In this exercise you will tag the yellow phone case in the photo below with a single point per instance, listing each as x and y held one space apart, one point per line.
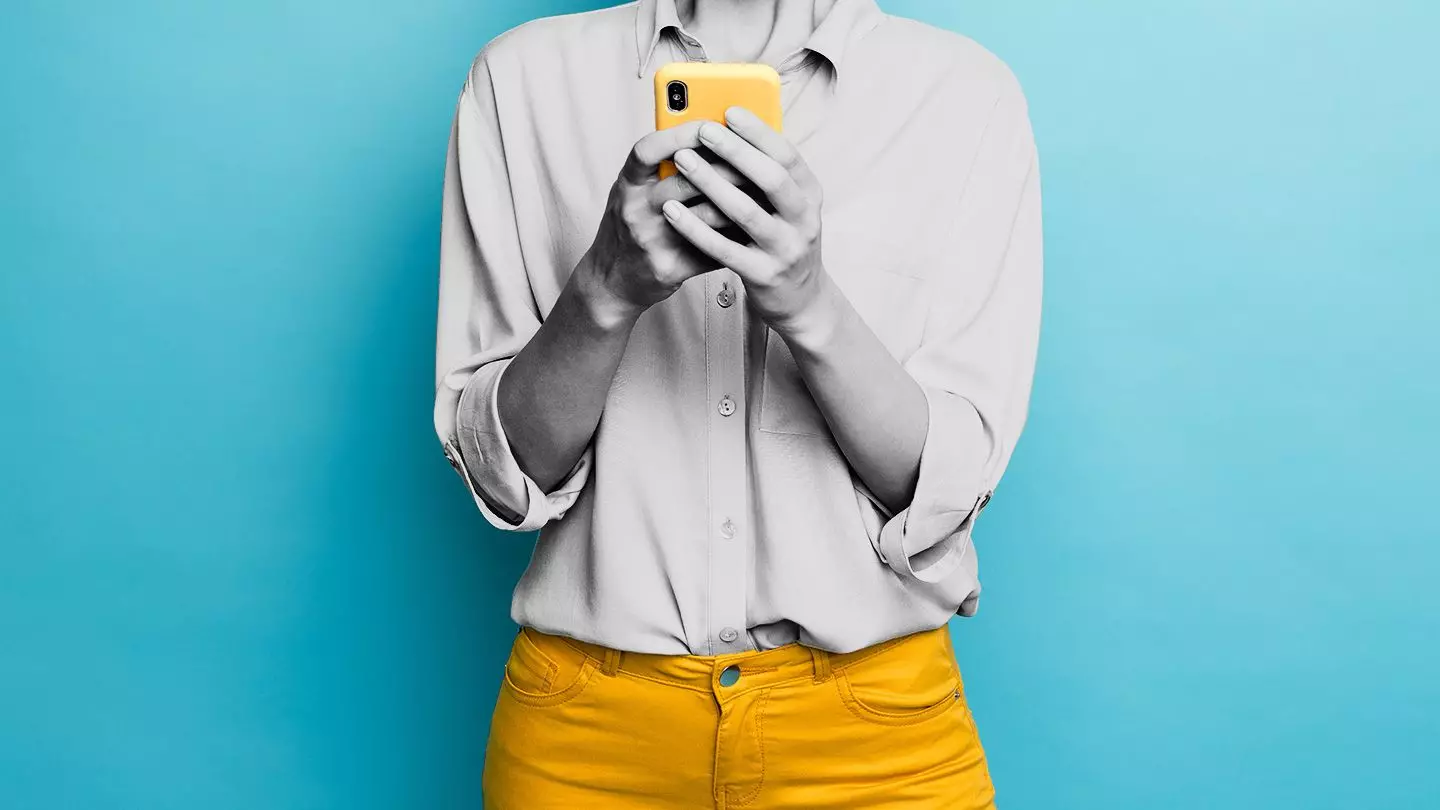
713 86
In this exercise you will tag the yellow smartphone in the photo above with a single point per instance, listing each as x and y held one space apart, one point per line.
686 91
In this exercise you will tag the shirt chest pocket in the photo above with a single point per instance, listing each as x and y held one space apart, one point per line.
892 303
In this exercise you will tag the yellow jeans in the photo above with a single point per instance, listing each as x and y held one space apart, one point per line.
579 726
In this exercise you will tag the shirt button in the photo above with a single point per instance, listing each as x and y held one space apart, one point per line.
728 528
726 406
729 634
726 296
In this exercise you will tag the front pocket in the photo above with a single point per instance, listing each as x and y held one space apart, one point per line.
899 709
529 667
537 678
910 683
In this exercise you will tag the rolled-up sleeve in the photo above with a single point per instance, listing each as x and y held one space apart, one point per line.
486 316
976 359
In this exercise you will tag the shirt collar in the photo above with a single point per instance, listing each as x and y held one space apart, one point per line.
845 23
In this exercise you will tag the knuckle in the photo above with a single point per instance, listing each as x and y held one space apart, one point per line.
774 179
639 153
765 276
630 217
668 273
643 236
810 224
791 252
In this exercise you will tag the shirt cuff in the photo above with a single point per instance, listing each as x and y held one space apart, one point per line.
508 498
927 539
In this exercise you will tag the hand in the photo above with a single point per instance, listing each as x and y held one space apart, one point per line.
782 270
636 259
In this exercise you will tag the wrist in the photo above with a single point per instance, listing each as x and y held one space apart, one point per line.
811 328
602 307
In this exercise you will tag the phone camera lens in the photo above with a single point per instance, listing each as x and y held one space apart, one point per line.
676 92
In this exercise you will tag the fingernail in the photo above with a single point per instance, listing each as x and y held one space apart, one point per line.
685 159
708 132
671 208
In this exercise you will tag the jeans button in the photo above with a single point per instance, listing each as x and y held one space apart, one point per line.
729 675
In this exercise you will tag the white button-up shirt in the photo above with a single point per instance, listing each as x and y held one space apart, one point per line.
713 511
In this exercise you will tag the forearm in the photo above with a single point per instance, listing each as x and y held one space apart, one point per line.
876 411
553 392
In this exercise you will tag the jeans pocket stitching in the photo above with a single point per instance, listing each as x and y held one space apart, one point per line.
527 647
570 692
858 707
750 795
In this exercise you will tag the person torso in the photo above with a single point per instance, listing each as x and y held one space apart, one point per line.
721 514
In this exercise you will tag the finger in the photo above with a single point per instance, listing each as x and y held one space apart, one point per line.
643 162
697 198
729 253
752 128
740 207
679 187
695 254
761 169
710 215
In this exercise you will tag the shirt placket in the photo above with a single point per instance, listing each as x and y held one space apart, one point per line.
725 629
726 325
726 456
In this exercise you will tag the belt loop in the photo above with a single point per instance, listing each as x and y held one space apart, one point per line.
821 659
611 664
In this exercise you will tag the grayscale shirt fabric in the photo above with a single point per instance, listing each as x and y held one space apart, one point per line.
713 512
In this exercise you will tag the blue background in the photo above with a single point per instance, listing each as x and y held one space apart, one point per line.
236 571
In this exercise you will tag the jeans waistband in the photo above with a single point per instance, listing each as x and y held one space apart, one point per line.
756 668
